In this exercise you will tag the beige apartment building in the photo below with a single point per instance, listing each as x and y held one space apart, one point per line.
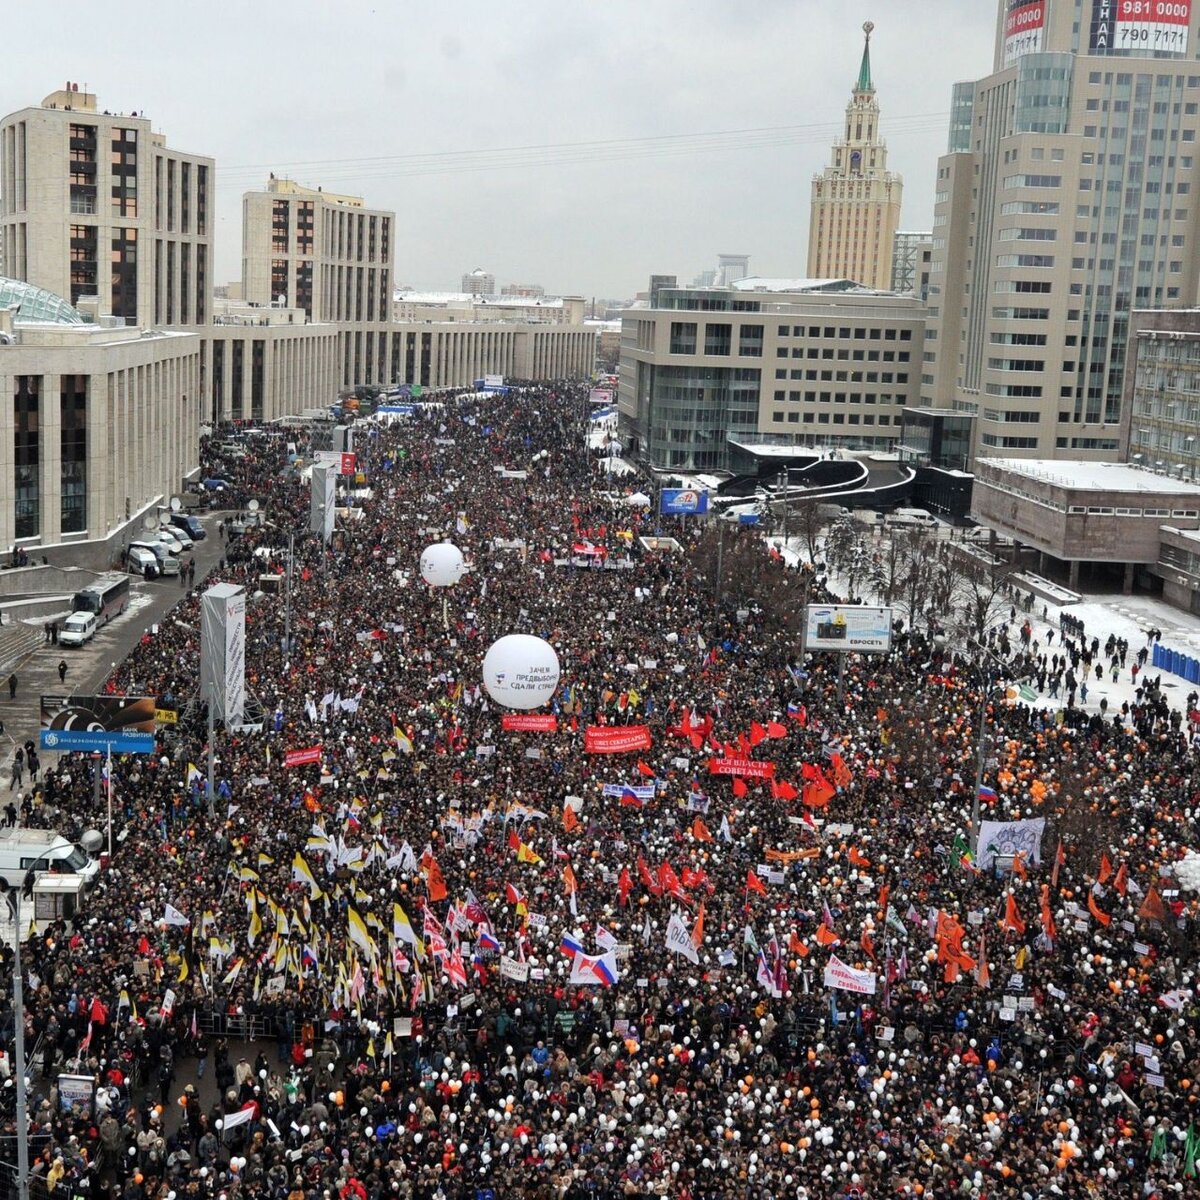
96 203
102 426
329 255
1066 200
466 306
815 363
856 200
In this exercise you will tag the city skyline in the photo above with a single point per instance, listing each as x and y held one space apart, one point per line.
459 89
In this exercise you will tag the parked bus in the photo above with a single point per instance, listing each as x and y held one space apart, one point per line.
106 598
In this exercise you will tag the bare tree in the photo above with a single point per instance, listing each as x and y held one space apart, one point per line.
982 586
808 523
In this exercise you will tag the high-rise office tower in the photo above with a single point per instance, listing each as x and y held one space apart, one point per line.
1065 201
856 199
96 204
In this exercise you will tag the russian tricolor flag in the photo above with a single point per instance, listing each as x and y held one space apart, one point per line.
630 798
487 940
605 969
570 946
986 793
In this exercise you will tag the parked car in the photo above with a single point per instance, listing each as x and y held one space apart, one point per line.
78 628
142 561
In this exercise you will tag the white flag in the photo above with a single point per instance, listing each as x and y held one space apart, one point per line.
173 916
679 938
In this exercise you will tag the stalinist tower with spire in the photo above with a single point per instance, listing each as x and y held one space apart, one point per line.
856 199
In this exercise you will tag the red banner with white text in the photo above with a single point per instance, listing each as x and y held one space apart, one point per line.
616 739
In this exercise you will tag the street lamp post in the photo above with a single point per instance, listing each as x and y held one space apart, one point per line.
983 741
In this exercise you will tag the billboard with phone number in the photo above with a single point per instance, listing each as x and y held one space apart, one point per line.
1024 28
1140 26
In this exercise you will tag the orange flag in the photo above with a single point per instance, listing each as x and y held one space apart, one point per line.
857 859
826 937
796 946
1048 926
1018 867
1121 882
700 831
1012 919
569 883
1059 859
1105 870
435 881
1097 911
570 820
1152 908
882 902
698 928
754 884
868 945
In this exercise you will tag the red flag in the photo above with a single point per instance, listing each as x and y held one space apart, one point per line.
739 787
867 945
435 881
1012 919
648 881
783 790
1097 911
514 842
624 886
775 730
1152 908
754 884
982 974
1121 882
1105 872
796 946
645 769
700 831
857 859
757 733
570 820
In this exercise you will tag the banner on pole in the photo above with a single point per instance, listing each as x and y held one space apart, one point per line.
748 767
616 739
297 758
529 722
1010 838
843 976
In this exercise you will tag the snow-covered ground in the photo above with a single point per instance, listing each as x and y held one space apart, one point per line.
1128 617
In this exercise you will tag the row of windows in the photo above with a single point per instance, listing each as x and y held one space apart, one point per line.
1009 443
823 418
838 398
845 376
858 333
828 353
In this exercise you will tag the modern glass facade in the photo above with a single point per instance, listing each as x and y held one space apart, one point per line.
73 452
27 455
693 409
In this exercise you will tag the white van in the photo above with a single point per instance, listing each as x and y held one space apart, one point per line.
23 850
78 628
168 564
142 561
911 518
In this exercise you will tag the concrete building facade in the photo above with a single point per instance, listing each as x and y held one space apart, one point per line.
806 362
97 203
455 354
1160 426
1067 198
1083 512
478 283
911 251
330 256
102 425
856 200
411 306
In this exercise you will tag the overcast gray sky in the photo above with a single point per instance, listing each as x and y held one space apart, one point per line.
407 103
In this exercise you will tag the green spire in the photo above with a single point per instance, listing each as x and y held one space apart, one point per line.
864 71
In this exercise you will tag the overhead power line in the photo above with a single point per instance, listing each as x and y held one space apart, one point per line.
561 154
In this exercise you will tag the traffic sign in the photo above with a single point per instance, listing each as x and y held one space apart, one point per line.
106 742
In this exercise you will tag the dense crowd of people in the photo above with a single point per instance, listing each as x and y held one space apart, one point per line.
757 955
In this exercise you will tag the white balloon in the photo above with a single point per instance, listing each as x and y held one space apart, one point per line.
442 564
520 671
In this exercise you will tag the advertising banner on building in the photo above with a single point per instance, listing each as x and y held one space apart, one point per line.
223 651
849 628
104 724
324 500
677 502
616 739
1141 26
1024 28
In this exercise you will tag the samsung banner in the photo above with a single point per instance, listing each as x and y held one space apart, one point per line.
849 627
678 502
223 651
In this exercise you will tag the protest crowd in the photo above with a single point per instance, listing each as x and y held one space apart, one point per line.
710 931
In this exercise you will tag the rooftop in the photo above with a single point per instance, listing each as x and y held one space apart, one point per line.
404 297
764 283
1079 475
37 304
